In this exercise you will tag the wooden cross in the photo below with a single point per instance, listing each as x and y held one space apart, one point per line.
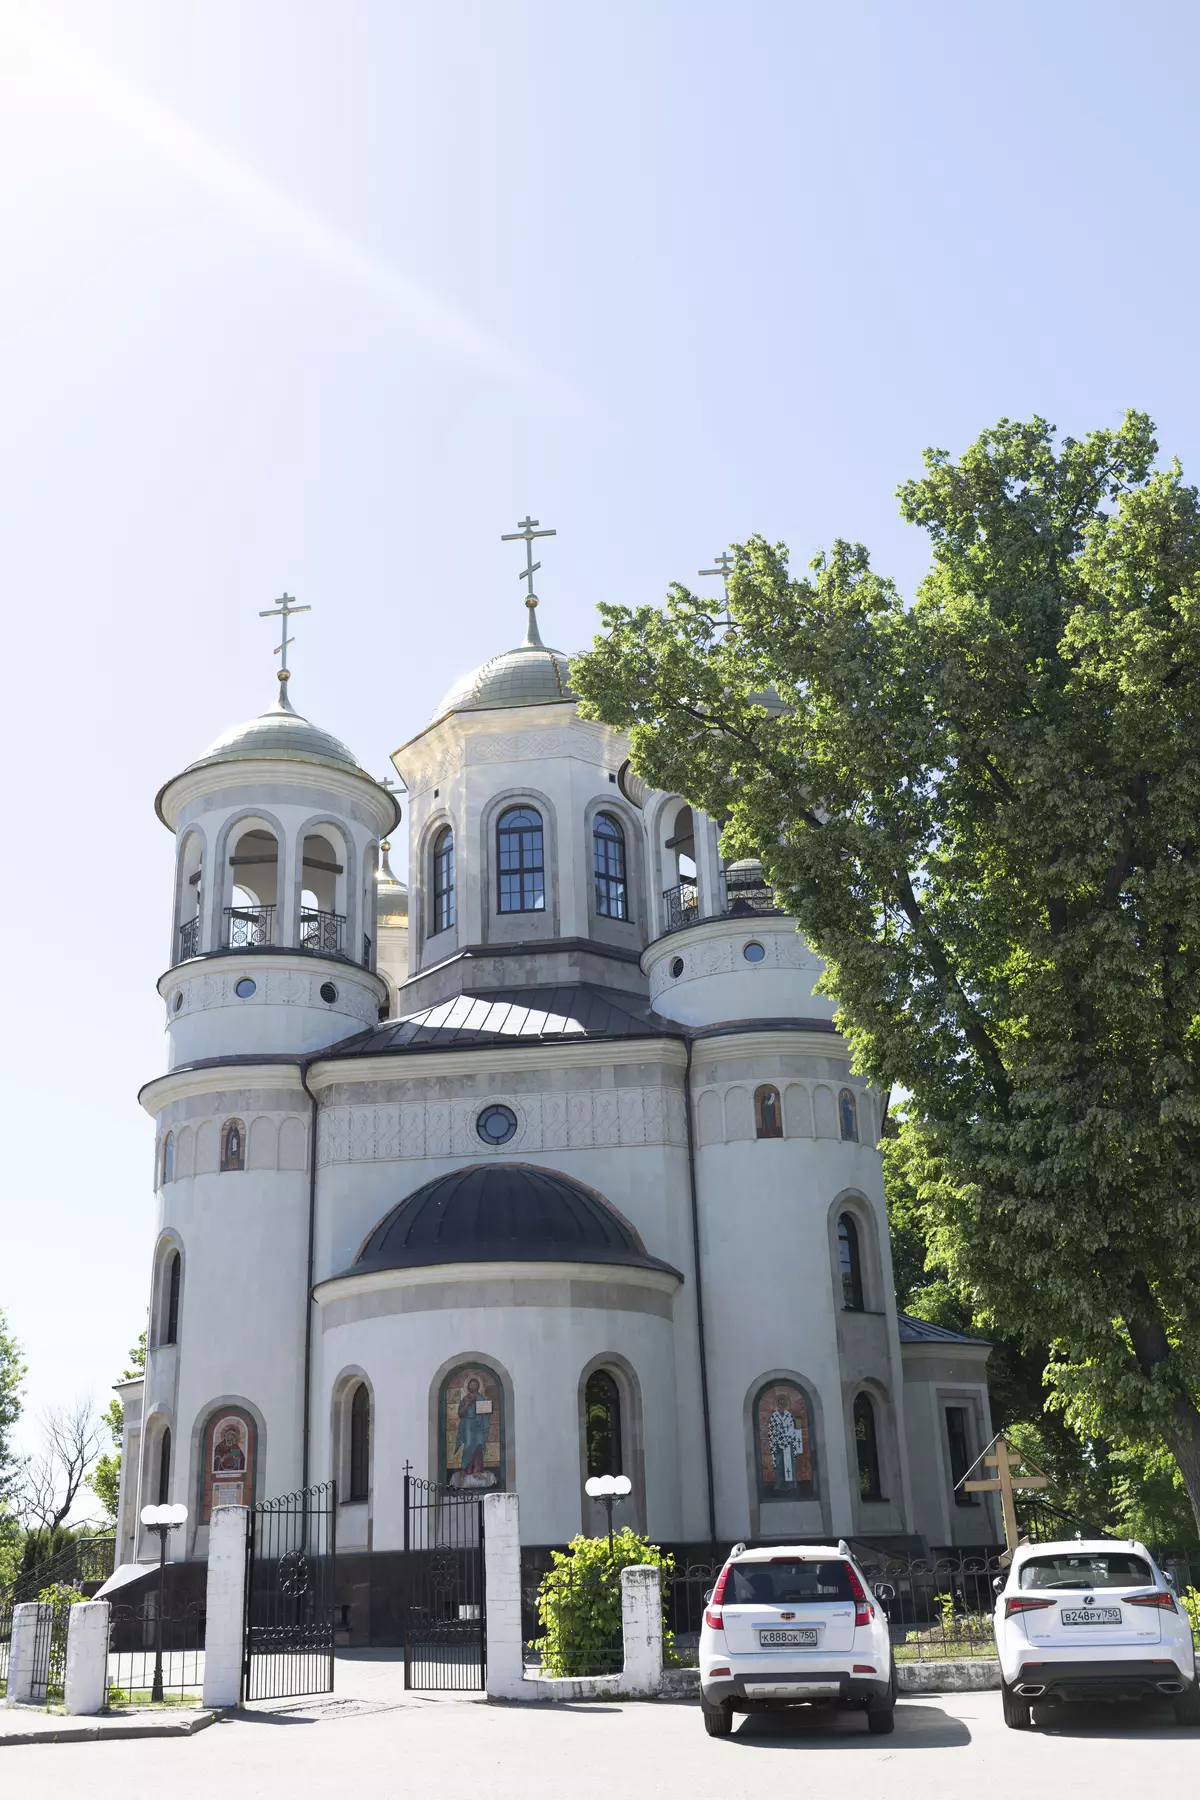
998 1456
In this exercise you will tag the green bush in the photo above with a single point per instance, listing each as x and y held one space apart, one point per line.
579 1603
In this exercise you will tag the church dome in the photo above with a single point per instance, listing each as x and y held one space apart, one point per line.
530 675
281 733
503 1212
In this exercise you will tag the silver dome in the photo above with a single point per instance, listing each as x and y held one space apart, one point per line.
279 733
530 675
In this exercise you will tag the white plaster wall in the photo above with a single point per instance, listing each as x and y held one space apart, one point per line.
206 1017
717 984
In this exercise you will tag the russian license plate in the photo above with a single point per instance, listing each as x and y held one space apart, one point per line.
769 1640
1090 1615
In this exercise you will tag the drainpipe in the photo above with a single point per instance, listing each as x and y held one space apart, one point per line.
691 1150
306 1428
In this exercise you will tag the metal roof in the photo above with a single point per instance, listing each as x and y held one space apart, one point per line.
522 1015
920 1331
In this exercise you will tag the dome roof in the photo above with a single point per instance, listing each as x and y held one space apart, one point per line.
530 675
503 1212
282 733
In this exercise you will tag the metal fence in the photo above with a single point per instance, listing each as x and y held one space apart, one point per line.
50 1647
6 1614
685 1594
579 1612
141 1669
290 1548
445 1636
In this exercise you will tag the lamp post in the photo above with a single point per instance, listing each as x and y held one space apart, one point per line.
608 1489
161 1519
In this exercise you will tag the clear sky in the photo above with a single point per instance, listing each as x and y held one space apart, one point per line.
326 294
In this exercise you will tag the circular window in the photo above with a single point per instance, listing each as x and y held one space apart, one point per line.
328 992
754 953
677 967
496 1124
245 988
178 1001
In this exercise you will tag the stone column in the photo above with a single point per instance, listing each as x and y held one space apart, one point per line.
20 1651
641 1629
502 1596
226 1604
86 1686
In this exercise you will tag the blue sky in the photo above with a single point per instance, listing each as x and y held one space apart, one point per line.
326 297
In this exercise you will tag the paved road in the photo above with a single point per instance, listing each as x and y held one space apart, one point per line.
374 1743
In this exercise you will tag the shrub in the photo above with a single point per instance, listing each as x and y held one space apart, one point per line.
579 1604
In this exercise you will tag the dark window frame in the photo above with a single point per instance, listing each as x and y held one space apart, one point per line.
602 1433
866 1443
610 868
443 912
958 1444
164 1466
174 1272
849 1241
358 1414
520 860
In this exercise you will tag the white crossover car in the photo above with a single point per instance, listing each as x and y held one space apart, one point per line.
1092 1619
794 1627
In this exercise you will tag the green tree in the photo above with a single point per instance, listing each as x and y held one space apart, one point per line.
12 1376
105 1478
984 810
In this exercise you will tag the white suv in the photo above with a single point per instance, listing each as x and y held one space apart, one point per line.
794 1627
1092 1619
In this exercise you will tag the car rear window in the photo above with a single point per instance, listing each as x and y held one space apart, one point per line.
1092 1570
787 1582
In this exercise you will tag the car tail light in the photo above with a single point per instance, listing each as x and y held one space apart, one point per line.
714 1617
713 1672
1014 1605
865 1669
864 1612
1162 1598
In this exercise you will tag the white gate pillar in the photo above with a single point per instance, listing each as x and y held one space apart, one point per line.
502 1596
225 1606
641 1629
86 1687
20 1651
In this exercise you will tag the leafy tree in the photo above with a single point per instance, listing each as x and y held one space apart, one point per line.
984 810
579 1603
105 1478
12 1375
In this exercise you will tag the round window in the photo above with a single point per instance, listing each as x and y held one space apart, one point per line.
677 967
496 1124
245 988
328 992
754 953
178 1001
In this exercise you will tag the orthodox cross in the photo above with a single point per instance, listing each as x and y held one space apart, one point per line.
724 564
998 1456
283 610
527 532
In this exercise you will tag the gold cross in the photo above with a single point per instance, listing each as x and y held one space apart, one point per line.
528 533
283 610
998 1456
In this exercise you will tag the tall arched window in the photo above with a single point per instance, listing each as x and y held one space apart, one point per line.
360 1443
521 858
850 1264
168 1158
866 1443
848 1114
602 1424
164 1466
608 857
171 1311
442 917
233 1146
768 1115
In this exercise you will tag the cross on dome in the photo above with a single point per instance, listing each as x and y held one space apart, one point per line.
283 610
724 563
527 532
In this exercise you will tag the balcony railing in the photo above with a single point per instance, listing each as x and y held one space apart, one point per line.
681 904
249 927
323 932
189 938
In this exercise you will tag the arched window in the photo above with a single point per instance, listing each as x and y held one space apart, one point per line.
171 1311
783 1442
360 1442
233 1146
850 1264
602 1424
608 856
471 1444
866 1443
229 1446
521 861
442 917
768 1115
848 1114
164 1466
168 1158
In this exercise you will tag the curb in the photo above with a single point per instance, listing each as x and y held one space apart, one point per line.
84 1731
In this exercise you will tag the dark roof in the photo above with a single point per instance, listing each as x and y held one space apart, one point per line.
512 1016
920 1331
503 1212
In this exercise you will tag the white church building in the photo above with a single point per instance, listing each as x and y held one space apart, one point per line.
550 1164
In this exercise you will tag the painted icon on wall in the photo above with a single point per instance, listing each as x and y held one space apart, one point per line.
228 1462
472 1428
783 1438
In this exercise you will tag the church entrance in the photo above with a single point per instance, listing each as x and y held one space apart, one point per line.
445 1625
287 1635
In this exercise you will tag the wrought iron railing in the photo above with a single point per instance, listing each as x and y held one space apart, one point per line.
189 938
323 932
134 1650
249 927
681 906
747 897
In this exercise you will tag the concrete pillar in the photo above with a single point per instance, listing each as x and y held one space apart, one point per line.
502 1596
226 1604
20 1651
641 1629
86 1686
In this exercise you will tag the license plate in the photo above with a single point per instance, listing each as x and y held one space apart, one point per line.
769 1639
1090 1615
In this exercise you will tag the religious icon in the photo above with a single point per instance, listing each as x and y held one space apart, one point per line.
229 1453
228 1463
784 1443
472 1429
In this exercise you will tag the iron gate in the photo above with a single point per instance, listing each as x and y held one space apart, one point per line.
288 1630
445 1633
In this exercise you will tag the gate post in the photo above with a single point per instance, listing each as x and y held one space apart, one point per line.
641 1628
22 1655
85 1688
502 1596
224 1630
